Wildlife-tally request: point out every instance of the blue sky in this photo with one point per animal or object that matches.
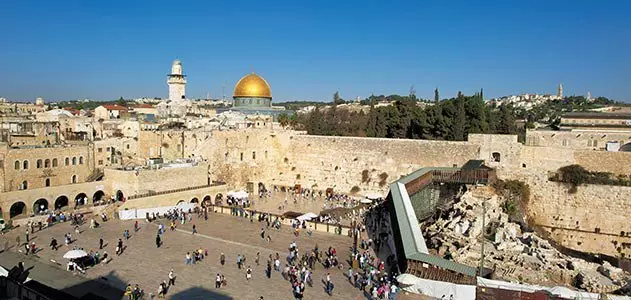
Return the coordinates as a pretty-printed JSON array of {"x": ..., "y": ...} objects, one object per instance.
[{"x": 309, "y": 49}]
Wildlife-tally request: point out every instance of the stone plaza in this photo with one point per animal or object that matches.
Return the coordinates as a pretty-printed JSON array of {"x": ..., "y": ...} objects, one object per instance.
[{"x": 143, "y": 264}]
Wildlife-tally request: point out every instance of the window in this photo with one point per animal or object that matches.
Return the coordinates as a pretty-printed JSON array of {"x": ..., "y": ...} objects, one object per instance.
[
  {"x": 101, "y": 162},
  {"x": 47, "y": 163},
  {"x": 241, "y": 156},
  {"x": 100, "y": 150},
  {"x": 67, "y": 161},
  {"x": 25, "y": 165},
  {"x": 496, "y": 156},
  {"x": 47, "y": 183},
  {"x": 225, "y": 156},
  {"x": 595, "y": 143},
  {"x": 589, "y": 143},
  {"x": 265, "y": 154},
  {"x": 108, "y": 149},
  {"x": 38, "y": 164},
  {"x": 24, "y": 185},
  {"x": 127, "y": 146},
  {"x": 564, "y": 142},
  {"x": 253, "y": 155},
  {"x": 17, "y": 164},
  {"x": 74, "y": 179},
  {"x": 80, "y": 160},
  {"x": 74, "y": 161},
  {"x": 55, "y": 163}
]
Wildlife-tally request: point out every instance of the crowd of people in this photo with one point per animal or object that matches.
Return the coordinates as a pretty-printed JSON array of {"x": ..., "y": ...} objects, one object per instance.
[{"x": 369, "y": 274}]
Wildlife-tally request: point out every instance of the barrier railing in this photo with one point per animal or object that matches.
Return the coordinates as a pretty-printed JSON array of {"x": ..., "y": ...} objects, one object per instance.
[
  {"x": 254, "y": 214},
  {"x": 149, "y": 194}
]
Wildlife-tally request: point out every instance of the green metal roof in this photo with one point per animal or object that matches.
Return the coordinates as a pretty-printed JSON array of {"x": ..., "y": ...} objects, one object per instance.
[{"x": 412, "y": 238}]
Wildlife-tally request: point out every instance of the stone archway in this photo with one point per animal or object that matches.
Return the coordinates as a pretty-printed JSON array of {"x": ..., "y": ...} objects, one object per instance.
[
  {"x": 81, "y": 199},
  {"x": 219, "y": 199},
  {"x": 207, "y": 201},
  {"x": 180, "y": 202},
  {"x": 40, "y": 206},
  {"x": 195, "y": 200},
  {"x": 17, "y": 209},
  {"x": 120, "y": 196},
  {"x": 98, "y": 197},
  {"x": 61, "y": 202}
]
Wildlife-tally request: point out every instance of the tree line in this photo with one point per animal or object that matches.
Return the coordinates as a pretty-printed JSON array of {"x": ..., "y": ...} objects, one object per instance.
[{"x": 451, "y": 119}]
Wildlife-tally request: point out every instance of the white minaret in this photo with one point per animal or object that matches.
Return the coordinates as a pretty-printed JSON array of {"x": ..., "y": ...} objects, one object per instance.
[
  {"x": 176, "y": 81},
  {"x": 560, "y": 91}
]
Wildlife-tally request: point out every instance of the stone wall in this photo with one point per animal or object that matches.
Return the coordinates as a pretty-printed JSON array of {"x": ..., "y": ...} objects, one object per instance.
[
  {"x": 614, "y": 162},
  {"x": 594, "y": 219},
  {"x": 289, "y": 158},
  {"x": 156, "y": 180}
]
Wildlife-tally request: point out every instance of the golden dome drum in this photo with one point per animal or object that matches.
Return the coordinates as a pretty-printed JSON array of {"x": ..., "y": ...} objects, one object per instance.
[{"x": 252, "y": 86}]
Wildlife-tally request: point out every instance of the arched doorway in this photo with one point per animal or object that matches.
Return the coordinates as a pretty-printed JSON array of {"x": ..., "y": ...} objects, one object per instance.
[
  {"x": 81, "y": 199},
  {"x": 219, "y": 199},
  {"x": 180, "y": 202},
  {"x": 207, "y": 201},
  {"x": 40, "y": 206},
  {"x": 17, "y": 209},
  {"x": 61, "y": 202},
  {"x": 195, "y": 200},
  {"x": 98, "y": 197},
  {"x": 120, "y": 196}
]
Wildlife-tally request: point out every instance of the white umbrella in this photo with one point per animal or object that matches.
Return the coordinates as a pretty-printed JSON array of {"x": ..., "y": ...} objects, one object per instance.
[
  {"x": 75, "y": 254},
  {"x": 407, "y": 279},
  {"x": 365, "y": 201}
]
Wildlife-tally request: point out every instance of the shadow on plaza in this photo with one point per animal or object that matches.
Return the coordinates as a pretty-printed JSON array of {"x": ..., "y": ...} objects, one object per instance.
[
  {"x": 108, "y": 287},
  {"x": 199, "y": 293}
]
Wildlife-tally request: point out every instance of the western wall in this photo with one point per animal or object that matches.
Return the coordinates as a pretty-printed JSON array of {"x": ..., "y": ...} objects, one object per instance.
[{"x": 287, "y": 158}]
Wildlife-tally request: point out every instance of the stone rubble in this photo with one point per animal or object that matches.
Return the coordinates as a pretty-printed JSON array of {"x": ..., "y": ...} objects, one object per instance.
[{"x": 516, "y": 256}]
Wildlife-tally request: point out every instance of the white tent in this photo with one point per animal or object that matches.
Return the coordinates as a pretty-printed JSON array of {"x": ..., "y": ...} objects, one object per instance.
[
  {"x": 238, "y": 195},
  {"x": 365, "y": 201},
  {"x": 306, "y": 217},
  {"x": 373, "y": 196},
  {"x": 436, "y": 289}
]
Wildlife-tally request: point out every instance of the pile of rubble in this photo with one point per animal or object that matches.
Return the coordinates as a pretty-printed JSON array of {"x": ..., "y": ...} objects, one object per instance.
[{"x": 514, "y": 255}]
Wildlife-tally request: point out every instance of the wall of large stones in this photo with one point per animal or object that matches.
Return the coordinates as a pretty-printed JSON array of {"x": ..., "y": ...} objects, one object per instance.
[
  {"x": 602, "y": 161},
  {"x": 592, "y": 220},
  {"x": 289, "y": 158}
]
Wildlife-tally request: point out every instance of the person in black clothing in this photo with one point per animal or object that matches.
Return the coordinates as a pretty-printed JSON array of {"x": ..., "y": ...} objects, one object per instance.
[
  {"x": 100, "y": 243},
  {"x": 158, "y": 241}
]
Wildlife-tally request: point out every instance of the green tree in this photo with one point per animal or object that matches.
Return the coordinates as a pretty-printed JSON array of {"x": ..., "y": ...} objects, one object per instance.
[{"x": 337, "y": 99}]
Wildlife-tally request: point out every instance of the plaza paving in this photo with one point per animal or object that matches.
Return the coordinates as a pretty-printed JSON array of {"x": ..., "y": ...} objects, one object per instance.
[{"x": 146, "y": 265}]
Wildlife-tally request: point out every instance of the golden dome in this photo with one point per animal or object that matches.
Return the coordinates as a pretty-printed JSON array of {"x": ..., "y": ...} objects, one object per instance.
[{"x": 252, "y": 86}]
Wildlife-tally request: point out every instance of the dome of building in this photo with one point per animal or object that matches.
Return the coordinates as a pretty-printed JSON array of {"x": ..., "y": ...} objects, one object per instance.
[
  {"x": 252, "y": 86},
  {"x": 625, "y": 148}
]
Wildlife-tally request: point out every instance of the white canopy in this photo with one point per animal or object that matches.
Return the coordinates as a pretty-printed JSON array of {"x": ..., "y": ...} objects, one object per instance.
[
  {"x": 365, "y": 201},
  {"x": 373, "y": 196},
  {"x": 307, "y": 216},
  {"x": 238, "y": 195},
  {"x": 407, "y": 279},
  {"x": 75, "y": 254}
]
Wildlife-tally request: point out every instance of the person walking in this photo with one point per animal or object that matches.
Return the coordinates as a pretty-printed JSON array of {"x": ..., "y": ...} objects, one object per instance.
[
  {"x": 100, "y": 243},
  {"x": 257, "y": 258},
  {"x": 218, "y": 281},
  {"x": 194, "y": 230},
  {"x": 329, "y": 284},
  {"x": 158, "y": 241},
  {"x": 248, "y": 273},
  {"x": 171, "y": 278},
  {"x": 239, "y": 261},
  {"x": 222, "y": 259},
  {"x": 53, "y": 244},
  {"x": 26, "y": 236}
]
